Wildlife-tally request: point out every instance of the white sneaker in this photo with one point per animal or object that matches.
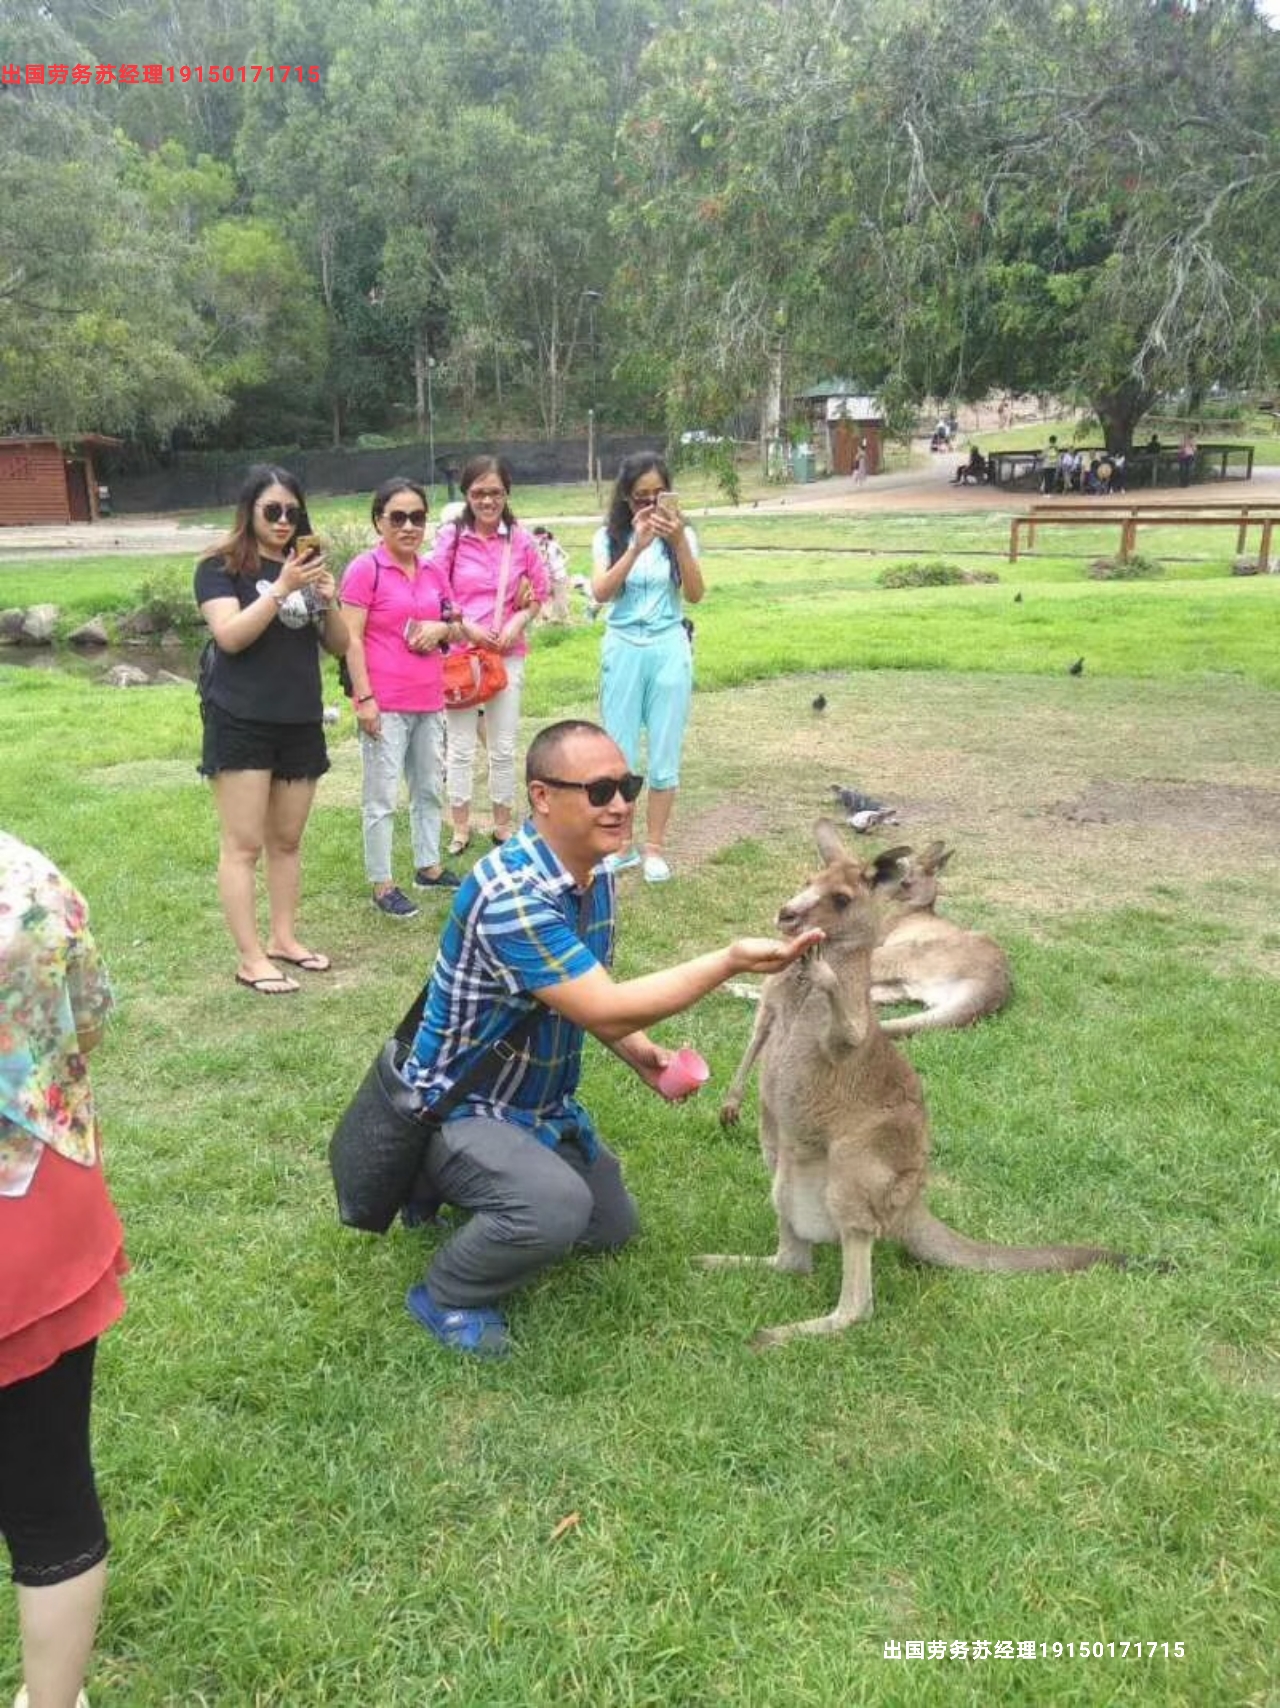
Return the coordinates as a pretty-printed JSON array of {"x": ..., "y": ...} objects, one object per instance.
[
  {"x": 621, "y": 862},
  {"x": 656, "y": 870}
]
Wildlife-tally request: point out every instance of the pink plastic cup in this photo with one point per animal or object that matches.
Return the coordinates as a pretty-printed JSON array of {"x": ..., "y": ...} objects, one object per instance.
[{"x": 684, "y": 1073}]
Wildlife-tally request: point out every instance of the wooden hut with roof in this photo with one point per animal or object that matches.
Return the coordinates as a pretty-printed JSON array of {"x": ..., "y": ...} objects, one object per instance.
[
  {"x": 840, "y": 417},
  {"x": 41, "y": 480}
]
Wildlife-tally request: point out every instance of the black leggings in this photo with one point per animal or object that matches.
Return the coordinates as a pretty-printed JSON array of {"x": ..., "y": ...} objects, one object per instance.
[{"x": 49, "y": 1511}]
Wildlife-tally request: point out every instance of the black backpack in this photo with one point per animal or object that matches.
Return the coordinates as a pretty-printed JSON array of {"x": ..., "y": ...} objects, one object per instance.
[{"x": 344, "y": 675}]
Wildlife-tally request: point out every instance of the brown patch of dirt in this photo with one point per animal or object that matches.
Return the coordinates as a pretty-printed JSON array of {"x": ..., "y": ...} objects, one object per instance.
[
  {"x": 1204, "y": 807},
  {"x": 706, "y": 833},
  {"x": 1153, "y": 796}
]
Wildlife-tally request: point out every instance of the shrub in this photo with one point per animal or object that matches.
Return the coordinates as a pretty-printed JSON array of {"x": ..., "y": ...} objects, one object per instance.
[
  {"x": 935, "y": 574},
  {"x": 345, "y": 540},
  {"x": 1136, "y": 568},
  {"x": 716, "y": 456},
  {"x": 167, "y": 599}
]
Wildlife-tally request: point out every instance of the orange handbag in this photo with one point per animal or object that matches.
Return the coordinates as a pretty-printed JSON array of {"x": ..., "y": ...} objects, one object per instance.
[{"x": 472, "y": 675}]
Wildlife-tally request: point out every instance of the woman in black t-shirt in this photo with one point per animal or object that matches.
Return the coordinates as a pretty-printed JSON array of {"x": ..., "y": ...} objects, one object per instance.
[{"x": 267, "y": 601}]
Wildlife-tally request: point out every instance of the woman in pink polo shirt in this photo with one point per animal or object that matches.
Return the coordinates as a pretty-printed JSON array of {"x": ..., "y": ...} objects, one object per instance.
[
  {"x": 498, "y": 583},
  {"x": 395, "y": 605}
]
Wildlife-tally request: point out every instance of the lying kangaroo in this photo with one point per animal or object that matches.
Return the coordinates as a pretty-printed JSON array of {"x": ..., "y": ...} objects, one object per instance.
[
  {"x": 842, "y": 1119},
  {"x": 958, "y": 975}
]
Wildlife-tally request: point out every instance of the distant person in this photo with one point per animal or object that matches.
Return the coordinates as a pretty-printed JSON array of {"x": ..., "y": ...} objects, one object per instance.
[
  {"x": 645, "y": 565},
  {"x": 497, "y": 585},
  {"x": 61, "y": 1256},
  {"x": 1049, "y": 471},
  {"x": 974, "y": 469},
  {"x": 556, "y": 560},
  {"x": 398, "y": 613},
  {"x": 270, "y": 607},
  {"x": 1186, "y": 459},
  {"x": 860, "y": 465}
]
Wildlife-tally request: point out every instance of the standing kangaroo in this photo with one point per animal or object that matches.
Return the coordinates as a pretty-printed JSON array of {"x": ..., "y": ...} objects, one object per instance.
[
  {"x": 842, "y": 1118},
  {"x": 958, "y": 975}
]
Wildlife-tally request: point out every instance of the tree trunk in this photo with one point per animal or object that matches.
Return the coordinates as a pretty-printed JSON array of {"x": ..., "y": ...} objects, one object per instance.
[
  {"x": 551, "y": 410},
  {"x": 420, "y": 385},
  {"x": 1120, "y": 409}
]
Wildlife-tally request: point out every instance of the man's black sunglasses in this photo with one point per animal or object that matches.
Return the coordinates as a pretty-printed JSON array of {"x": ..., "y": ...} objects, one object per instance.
[
  {"x": 601, "y": 790},
  {"x": 290, "y": 513}
]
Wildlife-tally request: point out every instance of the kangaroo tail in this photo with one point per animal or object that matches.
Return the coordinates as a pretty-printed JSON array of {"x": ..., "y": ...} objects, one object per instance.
[{"x": 932, "y": 1241}]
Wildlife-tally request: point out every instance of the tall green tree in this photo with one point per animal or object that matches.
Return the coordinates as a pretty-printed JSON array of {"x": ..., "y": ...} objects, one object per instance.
[{"x": 1068, "y": 197}]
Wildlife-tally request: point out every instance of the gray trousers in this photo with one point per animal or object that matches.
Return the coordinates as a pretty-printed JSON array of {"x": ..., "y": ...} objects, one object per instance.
[
  {"x": 530, "y": 1206},
  {"x": 411, "y": 743}
]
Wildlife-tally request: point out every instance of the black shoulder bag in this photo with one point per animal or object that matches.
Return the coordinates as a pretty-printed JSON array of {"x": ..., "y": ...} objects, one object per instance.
[
  {"x": 344, "y": 669},
  {"x": 380, "y": 1141}
]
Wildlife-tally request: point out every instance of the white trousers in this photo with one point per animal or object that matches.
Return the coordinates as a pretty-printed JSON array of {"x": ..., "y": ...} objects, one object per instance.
[
  {"x": 412, "y": 745},
  {"x": 501, "y": 726}
]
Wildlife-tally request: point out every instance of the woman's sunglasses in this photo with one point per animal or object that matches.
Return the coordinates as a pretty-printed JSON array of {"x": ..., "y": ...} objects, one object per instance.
[
  {"x": 601, "y": 790},
  {"x": 407, "y": 518},
  {"x": 290, "y": 513}
]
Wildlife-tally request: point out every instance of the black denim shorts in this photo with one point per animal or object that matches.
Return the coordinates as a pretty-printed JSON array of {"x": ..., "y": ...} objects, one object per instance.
[{"x": 291, "y": 752}]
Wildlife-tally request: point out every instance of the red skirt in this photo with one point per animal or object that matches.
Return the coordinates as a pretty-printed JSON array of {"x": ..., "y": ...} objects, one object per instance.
[{"x": 61, "y": 1256}]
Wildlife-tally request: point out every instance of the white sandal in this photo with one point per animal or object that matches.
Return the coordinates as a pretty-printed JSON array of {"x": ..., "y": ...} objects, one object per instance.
[{"x": 460, "y": 842}]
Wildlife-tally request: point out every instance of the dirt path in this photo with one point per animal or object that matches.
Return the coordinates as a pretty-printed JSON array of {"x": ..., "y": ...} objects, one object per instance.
[{"x": 926, "y": 490}]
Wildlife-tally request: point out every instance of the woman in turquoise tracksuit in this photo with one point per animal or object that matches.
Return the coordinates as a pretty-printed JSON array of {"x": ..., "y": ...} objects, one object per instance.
[{"x": 645, "y": 563}]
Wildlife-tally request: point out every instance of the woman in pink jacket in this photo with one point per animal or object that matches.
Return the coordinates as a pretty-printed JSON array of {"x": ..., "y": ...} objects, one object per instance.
[{"x": 498, "y": 582}]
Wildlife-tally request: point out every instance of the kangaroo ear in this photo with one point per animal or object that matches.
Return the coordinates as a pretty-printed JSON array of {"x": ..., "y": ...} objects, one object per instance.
[
  {"x": 887, "y": 868},
  {"x": 935, "y": 857},
  {"x": 827, "y": 836}
]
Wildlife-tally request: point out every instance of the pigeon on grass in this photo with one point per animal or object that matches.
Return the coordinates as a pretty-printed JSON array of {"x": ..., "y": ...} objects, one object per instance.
[{"x": 853, "y": 800}]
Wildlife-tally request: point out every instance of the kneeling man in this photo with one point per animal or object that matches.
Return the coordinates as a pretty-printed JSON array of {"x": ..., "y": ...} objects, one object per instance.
[{"x": 526, "y": 952}]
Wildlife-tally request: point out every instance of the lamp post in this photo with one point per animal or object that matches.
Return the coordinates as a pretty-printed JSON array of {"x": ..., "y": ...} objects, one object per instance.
[
  {"x": 431, "y": 433},
  {"x": 593, "y": 470}
]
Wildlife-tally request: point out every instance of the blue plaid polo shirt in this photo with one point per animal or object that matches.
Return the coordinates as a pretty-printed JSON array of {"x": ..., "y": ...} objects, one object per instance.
[{"x": 518, "y": 924}]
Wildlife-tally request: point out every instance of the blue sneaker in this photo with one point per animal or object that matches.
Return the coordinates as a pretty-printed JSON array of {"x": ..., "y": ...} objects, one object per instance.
[
  {"x": 482, "y": 1333},
  {"x": 622, "y": 862},
  {"x": 395, "y": 903},
  {"x": 447, "y": 880}
]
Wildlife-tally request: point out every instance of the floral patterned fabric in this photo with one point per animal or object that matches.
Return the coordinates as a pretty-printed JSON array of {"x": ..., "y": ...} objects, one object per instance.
[{"x": 52, "y": 986}]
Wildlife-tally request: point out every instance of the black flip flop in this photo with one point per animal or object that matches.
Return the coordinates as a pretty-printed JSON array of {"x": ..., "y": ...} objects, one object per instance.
[{"x": 259, "y": 986}]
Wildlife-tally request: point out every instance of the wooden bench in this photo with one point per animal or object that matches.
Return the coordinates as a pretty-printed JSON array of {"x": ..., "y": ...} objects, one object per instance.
[{"x": 1198, "y": 513}]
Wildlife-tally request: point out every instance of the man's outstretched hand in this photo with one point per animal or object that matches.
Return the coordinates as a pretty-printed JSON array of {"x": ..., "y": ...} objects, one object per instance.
[{"x": 771, "y": 954}]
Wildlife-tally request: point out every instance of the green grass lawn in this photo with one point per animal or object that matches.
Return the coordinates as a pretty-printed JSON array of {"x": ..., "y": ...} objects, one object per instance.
[{"x": 311, "y": 1505}]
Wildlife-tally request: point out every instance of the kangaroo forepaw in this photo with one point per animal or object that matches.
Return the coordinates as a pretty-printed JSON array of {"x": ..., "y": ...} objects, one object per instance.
[{"x": 730, "y": 1110}]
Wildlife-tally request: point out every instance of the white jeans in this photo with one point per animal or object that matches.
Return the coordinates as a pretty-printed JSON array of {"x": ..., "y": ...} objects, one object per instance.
[
  {"x": 501, "y": 726},
  {"x": 411, "y": 743}
]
